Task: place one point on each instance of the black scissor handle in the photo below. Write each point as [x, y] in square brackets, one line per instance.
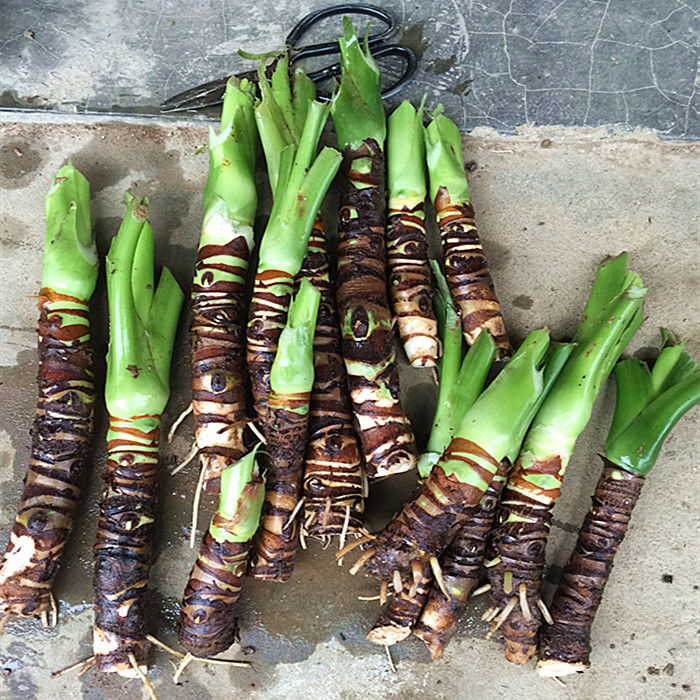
[331, 47]
[403, 52]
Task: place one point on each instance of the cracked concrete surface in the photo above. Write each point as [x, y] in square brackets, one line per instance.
[550, 203]
[502, 63]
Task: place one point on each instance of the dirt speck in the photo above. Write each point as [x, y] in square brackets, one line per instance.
[667, 578]
[414, 38]
[18, 164]
[442, 65]
[523, 301]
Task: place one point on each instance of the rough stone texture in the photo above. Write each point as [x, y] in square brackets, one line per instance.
[550, 204]
[498, 63]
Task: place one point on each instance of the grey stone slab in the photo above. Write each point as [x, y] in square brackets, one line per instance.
[110, 56]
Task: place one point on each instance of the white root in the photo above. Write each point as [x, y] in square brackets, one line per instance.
[398, 583]
[503, 616]
[344, 531]
[439, 578]
[188, 458]
[84, 664]
[294, 512]
[392, 668]
[178, 422]
[164, 646]
[522, 594]
[142, 676]
[257, 432]
[181, 667]
[361, 561]
[195, 508]
[352, 545]
[483, 589]
[545, 612]
[383, 592]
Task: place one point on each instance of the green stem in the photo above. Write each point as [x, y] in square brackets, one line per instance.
[451, 332]
[609, 282]
[649, 404]
[557, 357]
[501, 412]
[293, 369]
[455, 399]
[238, 503]
[141, 324]
[443, 148]
[287, 234]
[567, 409]
[405, 152]
[231, 177]
[70, 261]
[357, 109]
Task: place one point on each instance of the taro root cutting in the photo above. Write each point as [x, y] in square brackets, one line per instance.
[466, 267]
[291, 380]
[648, 404]
[462, 562]
[63, 422]
[461, 565]
[516, 550]
[410, 288]
[290, 124]
[333, 472]
[207, 617]
[218, 317]
[142, 324]
[460, 477]
[461, 382]
[363, 306]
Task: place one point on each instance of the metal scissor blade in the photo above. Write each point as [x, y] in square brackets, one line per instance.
[206, 95]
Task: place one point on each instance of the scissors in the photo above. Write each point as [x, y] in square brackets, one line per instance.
[212, 93]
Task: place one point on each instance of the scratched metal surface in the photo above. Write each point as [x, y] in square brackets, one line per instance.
[498, 63]
[551, 203]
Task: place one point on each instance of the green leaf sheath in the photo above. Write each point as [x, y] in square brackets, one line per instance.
[357, 109]
[142, 328]
[446, 417]
[63, 422]
[459, 479]
[456, 398]
[648, 405]
[298, 195]
[291, 381]
[462, 569]
[410, 287]
[450, 328]
[208, 621]
[333, 479]
[518, 542]
[466, 267]
[217, 352]
[645, 413]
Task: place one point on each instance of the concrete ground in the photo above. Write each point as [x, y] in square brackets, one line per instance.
[584, 117]
[551, 203]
